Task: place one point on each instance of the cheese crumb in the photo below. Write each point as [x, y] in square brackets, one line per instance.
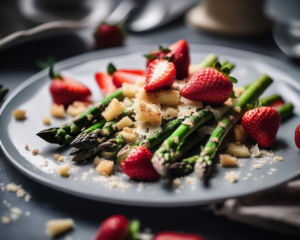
[46, 120]
[59, 157]
[76, 108]
[228, 160]
[257, 166]
[215, 140]
[13, 187]
[255, 151]
[147, 112]
[231, 176]
[188, 122]
[16, 210]
[124, 122]
[35, 152]
[105, 167]
[5, 220]
[129, 90]
[170, 113]
[27, 214]
[26, 147]
[27, 197]
[237, 149]
[96, 162]
[237, 109]
[59, 226]
[20, 193]
[130, 135]
[63, 170]
[57, 111]
[278, 158]
[19, 114]
[191, 180]
[176, 182]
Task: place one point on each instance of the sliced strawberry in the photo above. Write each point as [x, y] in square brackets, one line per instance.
[138, 166]
[297, 136]
[262, 125]
[129, 76]
[160, 74]
[66, 90]
[178, 53]
[105, 83]
[113, 228]
[139, 72]
[176, 236]
[278, 103]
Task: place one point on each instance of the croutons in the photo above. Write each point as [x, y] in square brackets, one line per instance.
[130, 135]
[113, 110]
[130, 90]
[238, 150]
[170, 113]
[124, 122]
[46, 120]
[19, 114]
[140, 82]
[228, 160]
[35, 152]
[96, 161]
[105, 167]
[127, 102]
[146, 112]
[239, 134]
[63, 170]
[57, 111]
[164, 97]
[58, 226]
[76, 108]
[59, 157]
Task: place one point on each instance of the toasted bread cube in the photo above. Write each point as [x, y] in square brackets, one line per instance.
[57, 111]
[124, 122]
[19, 114]
[140, 82]
[127, 102]
[76, 108]
[228, 160]
[239, 133]
[164, 97]
[170, 113]
[105, 167]
[146, 112]
[58, 226]
[237, 150]
[113, 110]
[46, 120]
[130, 90]
[130, 135]
[63, 170]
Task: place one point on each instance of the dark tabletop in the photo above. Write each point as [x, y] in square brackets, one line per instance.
[19, 63]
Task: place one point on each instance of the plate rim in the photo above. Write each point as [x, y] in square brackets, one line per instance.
[73, 61]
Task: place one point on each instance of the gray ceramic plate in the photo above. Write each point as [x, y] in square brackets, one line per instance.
[33, 96]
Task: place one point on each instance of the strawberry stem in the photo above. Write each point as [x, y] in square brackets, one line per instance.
[111, 69]
[232, 79]
[54, 75]
[217, 66]
[163, 49]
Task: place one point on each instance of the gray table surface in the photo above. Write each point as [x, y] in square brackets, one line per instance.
[19, 63]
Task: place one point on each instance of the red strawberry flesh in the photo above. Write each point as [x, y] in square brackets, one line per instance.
[128, 76]
[160, 74]
[176, 236]
[105, 83]
[297, 137]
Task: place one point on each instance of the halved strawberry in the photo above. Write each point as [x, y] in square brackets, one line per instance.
[160, 74]
[176, 236]
[128, 76]
[66, 90]
[178, 53]
[104, 81]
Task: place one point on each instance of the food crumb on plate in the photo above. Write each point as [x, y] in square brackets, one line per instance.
[176, 182]
[35, 152]
[231, 176]
[19, 114]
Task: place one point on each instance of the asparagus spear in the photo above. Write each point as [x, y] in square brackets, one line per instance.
[64, 134]
[166, 154]
[85, 153]
[101, 131]
[204, 162]
[187, 165]
[3, 92]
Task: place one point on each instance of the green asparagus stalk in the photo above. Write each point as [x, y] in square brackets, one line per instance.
[204, 162]
[84, 154]
[187, 165]
[64, 135]
[166, 154]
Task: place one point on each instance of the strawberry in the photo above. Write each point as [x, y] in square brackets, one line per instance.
[297, 136]
[107, 36]
[262, 125]
[104, 81]
[138, 166]
[176, 236]
[178, 53]
[208, 85]
[278, 103]
[65, 90]
[113, 228]
[160, 74]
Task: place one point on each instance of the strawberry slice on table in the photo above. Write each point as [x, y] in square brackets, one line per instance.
[138, 166]
[65, 90]
[278, 103]
[297, 136]
[160, 74]
[209, 85]
[262, 125]
[178, 53]
[176, 236]
[104, 81]
[113, 228]
[125, 75]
